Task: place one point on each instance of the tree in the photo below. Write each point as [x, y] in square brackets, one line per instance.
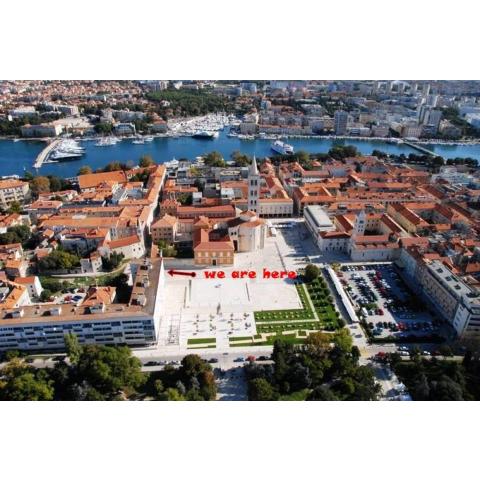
[52, 284]
[20, 382]
[146, 161]
[58, 260]
[304, 160]
[421, 389]
[197, 373]
[311, 273]
[109, 369]
[40, 185]
[214, 159]
[46, 295]
[445, 389]
[343, 340]
[73, 348]
[445, 350]
[85, 170]
[168, 250]
[322, 393]
[121, 284]
[240, 159]
[56, 183]
[112, 262]
[260, 390]
[104, 128]
[171, 395]
[15, 207]
[185, 198]
[194, 172]
[17, 234]
[339, 152]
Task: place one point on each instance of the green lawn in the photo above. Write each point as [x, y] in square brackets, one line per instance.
[285, 315]
[281, 326]
[234, 339]
[288, 338]
[281, 320]
[196, 341]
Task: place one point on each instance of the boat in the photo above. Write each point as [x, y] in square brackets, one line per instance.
[148, 139]
[66, 150]
[107, 142]
[63, 156]
[282, 148]
[138, 141]
[205, 134]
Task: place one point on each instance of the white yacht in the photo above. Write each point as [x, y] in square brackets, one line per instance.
[66, 150]
[107, 141]
[282, 148]
[205, 134]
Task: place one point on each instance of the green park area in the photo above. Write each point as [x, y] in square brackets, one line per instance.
[317, 314]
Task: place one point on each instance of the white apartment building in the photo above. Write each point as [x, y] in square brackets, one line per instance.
[12, 190]
[43, 326]
[454, 300]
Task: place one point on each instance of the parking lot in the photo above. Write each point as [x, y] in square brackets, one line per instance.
[385, 302]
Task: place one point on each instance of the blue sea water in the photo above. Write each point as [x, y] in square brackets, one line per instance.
[18, 157]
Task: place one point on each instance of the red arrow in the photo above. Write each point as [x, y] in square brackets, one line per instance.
[176, 272]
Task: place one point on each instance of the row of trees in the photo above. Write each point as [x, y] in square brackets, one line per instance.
[46, 184]
[144, 162]
[430, 161]
[324, 368]
[439, 380]
[194, 380]
[305, 159]
[92, 373]
[95, 372]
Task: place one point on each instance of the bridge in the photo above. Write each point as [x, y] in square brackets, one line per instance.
[43, 155]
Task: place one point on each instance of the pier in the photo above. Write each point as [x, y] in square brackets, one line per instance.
[43, 155]
[419, 148]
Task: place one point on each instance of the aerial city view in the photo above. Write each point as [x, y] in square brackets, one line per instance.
[260, 240]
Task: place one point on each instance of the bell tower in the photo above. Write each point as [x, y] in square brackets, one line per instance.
[253, 186]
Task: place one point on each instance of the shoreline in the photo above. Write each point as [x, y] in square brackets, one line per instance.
[390, 140]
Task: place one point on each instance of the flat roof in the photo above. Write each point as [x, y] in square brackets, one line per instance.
[318, 216]
[71, 313]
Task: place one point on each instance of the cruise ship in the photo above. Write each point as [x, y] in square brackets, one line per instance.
[282, 148]
[205, 134]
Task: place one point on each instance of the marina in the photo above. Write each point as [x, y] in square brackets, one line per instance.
[16, 157]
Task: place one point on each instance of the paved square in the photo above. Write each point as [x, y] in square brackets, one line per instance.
[205, 308]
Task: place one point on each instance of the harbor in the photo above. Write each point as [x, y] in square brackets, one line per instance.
[17, 157]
